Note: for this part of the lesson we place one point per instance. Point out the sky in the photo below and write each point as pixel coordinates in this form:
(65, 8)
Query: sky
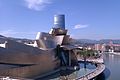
(85, 19)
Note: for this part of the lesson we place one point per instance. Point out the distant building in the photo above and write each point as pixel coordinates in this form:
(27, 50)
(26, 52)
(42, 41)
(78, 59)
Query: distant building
(100, 47)
(110, 47)
(116, 48)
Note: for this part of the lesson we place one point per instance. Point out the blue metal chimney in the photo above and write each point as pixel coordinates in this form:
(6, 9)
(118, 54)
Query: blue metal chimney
(59, 21)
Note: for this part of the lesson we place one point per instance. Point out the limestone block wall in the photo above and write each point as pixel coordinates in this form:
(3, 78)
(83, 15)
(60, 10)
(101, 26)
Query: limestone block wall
(58, 31)
(59, 39)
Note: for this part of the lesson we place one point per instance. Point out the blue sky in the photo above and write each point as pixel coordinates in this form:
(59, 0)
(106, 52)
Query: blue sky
(86, 19)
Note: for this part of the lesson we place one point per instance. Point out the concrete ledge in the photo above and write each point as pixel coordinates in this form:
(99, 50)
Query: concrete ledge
(100, 68)
(114, 53)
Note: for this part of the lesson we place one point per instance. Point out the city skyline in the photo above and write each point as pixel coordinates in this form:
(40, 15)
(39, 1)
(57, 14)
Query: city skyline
(87, 19)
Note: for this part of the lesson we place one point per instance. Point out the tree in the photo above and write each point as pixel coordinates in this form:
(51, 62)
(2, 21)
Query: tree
(86, 54)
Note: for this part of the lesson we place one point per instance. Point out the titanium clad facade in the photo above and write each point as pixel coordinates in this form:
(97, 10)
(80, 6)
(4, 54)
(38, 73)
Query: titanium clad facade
(47, 54)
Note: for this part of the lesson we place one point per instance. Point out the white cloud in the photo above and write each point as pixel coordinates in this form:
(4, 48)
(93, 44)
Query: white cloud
(12, 33)
(6, 32)
(79, 26)
(37, 4)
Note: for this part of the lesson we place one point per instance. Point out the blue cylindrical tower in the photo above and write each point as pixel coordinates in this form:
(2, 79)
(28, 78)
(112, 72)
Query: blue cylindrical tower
(59, 21)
